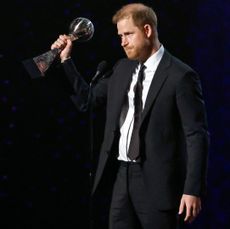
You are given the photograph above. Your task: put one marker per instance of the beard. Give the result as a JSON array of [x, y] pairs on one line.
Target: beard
[[140, 52], [131, 53]]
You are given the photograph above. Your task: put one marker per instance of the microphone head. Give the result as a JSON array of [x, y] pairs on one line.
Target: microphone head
[[101, 69], [102, 66]]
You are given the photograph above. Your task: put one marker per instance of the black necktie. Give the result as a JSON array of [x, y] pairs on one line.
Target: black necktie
[[134, 146]]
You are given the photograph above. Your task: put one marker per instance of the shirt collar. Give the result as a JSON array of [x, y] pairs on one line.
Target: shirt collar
[[152, 62]]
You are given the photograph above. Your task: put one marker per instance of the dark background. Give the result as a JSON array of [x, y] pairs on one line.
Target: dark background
[[44, 141]]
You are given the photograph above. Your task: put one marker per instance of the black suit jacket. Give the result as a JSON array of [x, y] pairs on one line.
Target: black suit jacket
[[174, 135]]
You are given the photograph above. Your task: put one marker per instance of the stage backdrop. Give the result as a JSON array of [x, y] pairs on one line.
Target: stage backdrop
[[45, 157]]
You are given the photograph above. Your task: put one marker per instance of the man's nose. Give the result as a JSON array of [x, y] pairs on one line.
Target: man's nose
[[123, 41]]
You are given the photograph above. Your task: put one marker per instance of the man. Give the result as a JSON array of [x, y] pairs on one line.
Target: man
[[165, 172]]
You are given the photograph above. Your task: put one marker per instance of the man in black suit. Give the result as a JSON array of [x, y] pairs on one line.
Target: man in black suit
[[165, 172]]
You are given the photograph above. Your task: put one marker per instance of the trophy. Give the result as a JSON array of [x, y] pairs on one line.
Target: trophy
[[81, 29]]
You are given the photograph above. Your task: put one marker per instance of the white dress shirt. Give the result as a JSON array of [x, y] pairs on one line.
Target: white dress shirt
[[151, 65]]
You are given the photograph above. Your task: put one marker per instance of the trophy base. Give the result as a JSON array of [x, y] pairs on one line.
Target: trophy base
[[37, 66], [32, 69]]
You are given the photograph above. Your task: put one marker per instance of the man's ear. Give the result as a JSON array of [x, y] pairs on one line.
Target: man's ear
[[148, 30]]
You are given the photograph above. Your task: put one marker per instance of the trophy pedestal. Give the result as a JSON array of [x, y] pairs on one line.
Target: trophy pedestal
[[37, 66]]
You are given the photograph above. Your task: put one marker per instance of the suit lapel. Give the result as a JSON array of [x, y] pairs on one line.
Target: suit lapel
[[157, 83], [121, 89]]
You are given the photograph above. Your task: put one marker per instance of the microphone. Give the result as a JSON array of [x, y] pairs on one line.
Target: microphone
[[101, 69]]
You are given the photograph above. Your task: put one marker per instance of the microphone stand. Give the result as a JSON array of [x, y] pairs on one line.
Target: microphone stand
[[100, 70], [91, 154]]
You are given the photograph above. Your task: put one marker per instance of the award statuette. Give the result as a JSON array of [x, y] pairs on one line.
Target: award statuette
[[81, 29]]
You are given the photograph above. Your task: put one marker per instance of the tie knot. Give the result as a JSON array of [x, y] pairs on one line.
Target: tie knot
[[142, 67], [141, 72]]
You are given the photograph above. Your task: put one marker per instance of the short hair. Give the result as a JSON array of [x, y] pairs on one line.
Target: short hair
[[140, 13]]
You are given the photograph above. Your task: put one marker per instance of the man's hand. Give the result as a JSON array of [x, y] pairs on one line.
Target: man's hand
[[63, 43], [191, 205]]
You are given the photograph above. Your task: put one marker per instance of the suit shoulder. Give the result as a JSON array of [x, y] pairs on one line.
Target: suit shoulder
[[180, 65], [178, 70]]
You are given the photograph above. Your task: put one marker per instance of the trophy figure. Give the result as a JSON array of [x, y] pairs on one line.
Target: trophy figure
[[81, 29]]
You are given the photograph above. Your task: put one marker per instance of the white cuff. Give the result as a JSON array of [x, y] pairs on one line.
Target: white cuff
[[64, 59]]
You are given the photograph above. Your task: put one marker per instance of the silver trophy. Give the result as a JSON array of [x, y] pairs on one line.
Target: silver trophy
[[81, 29]]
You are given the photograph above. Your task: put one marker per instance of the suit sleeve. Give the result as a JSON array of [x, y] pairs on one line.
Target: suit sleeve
[[82, 90], [192, 112]]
